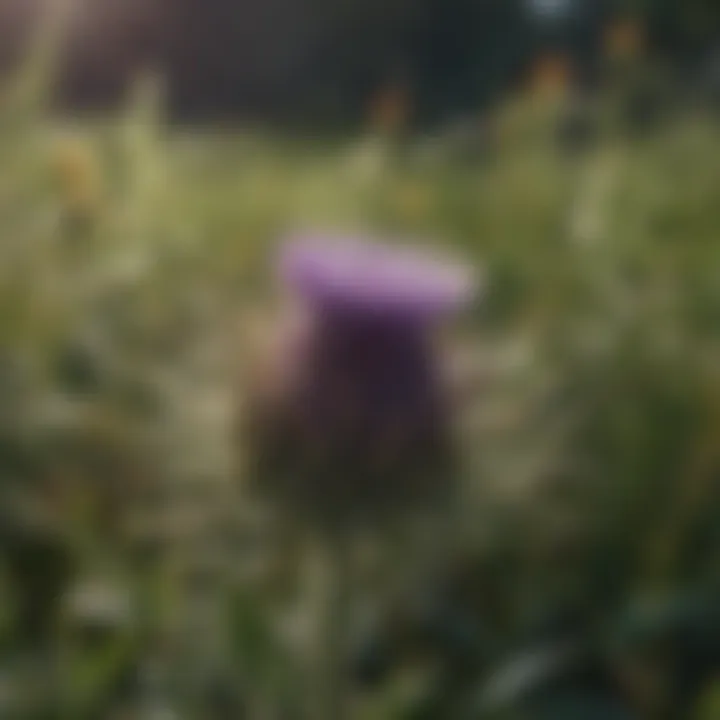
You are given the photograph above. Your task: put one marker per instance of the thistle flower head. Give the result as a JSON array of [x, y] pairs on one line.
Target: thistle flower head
[[364, 278], [363, 422]]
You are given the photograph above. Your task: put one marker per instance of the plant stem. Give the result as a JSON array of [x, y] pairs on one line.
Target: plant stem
[[334, 622]]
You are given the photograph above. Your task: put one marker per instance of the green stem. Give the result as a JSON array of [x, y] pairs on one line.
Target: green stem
[[334, 691]]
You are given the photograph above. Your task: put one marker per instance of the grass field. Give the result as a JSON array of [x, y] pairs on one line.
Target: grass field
[[131, 256]]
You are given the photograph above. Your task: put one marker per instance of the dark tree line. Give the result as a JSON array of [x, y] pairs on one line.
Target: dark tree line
[[321, 60], [315, 59]]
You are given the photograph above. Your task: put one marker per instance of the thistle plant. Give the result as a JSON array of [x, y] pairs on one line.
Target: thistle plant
[[354, 424]]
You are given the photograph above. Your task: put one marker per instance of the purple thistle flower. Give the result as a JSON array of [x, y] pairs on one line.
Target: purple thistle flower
[[364, 422], [370, 279]]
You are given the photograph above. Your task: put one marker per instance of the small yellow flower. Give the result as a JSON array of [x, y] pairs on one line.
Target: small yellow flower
[[76, 172], [551, 76], [625, 39], [390, 110]]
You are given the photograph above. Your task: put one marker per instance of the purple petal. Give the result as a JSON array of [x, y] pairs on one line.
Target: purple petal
[[346, 274]]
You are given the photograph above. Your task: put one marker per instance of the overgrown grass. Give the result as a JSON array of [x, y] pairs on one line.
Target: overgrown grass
[[128, 256]]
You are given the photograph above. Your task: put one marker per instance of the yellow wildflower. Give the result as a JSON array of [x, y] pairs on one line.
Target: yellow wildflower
[[390, 110], [625, 39], [551, 76], [76, 172]]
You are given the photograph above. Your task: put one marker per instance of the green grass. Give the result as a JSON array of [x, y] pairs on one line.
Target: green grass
[[127, 263]]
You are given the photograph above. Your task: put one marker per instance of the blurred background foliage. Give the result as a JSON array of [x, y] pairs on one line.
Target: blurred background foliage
[[580, 577], [268, 61]]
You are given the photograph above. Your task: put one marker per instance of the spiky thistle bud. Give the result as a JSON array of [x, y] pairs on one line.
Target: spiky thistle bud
[[354, 417]]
